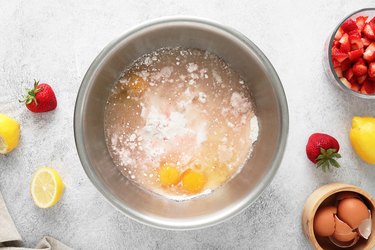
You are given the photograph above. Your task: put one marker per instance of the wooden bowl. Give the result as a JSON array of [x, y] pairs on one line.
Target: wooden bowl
[[325, 195]]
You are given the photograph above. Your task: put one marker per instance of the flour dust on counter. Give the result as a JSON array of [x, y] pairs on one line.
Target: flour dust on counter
[[180, 122]]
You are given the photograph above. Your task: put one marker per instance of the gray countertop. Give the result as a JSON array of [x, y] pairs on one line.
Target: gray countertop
[[55, 41]]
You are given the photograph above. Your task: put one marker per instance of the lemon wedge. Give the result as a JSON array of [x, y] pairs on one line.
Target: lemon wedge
[[46, 187], [9, 134], [362, 138]]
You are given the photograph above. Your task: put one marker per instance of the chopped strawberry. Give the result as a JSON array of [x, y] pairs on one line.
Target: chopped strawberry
[[355, 86], [345, 44], [346, 64], [369, 32], [338, 55], [360, 61], [368, 88], [369, 54], [338, 71], [349, 25], [359, 69], [336, 44], [335, 63], [372, 23], [371, 69], [346, 82], [339, 34], [355, 40], [360, 21], [355, 54], [366, 42], [349, 74], [361, 79]]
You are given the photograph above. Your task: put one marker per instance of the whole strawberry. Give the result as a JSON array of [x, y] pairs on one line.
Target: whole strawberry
[[41, 98], [322, 149]]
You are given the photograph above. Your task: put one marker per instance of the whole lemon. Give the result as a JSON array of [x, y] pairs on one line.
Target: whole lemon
[[362, 138], [9, 134]]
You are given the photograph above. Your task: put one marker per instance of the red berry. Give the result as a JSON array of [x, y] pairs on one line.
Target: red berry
[[369, 32], [360, 21], [354, 55], [338, 55], [359, 69], [321, 149], [349, 25], [41, 98]]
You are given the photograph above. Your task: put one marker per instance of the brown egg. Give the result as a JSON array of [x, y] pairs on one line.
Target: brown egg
[[347, 194], [324, 221], [343, 231], [352, 211]]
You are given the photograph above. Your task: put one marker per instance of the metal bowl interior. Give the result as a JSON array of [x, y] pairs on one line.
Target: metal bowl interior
[[235, 195]]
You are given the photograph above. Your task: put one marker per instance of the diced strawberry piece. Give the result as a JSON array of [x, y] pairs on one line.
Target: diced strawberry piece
[[355, 54], [349, 74], [339, 34], [338, 55], [360, 21], [360, 61], [346, 82], [368, 88], [371, 69], [361, 79], [335, 63], [346, 64], [372, 23], [369, 54], [349, 25], [345, 44], [338, 71], [336, 44], [359, 69], [355, 86], [355, 39], [354, 35], [369, 32], [366, 42]]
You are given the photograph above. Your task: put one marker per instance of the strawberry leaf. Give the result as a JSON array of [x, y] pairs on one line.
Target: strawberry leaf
[[31, 94], [326, 159]]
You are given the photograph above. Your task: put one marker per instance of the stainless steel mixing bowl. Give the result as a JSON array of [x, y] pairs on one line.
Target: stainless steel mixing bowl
[[234, 196]]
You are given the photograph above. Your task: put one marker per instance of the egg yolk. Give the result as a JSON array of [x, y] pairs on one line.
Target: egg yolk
[[192, 181], [136, 85], [169, 175]]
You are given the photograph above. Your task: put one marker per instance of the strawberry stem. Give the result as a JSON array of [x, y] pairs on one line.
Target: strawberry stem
[[326, 159], [31, 94]]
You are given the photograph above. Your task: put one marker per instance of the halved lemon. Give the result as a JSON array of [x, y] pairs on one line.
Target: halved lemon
[[46, 187], [9, 134]]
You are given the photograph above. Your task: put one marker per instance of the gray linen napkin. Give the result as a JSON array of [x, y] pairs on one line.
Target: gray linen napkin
[[10, 239]]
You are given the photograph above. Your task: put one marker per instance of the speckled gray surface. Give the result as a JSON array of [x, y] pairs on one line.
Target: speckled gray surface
[[55, 41]]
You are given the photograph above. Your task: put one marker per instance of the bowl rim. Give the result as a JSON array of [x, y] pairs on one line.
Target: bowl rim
[[200, 223], [330, 63]]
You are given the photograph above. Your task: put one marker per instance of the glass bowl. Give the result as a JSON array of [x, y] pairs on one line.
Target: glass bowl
[[327, 60]]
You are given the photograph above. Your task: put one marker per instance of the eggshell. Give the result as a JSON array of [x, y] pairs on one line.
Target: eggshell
[[324, 221], [344, 244], [352, 211], [343, 232], [365, 228]]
